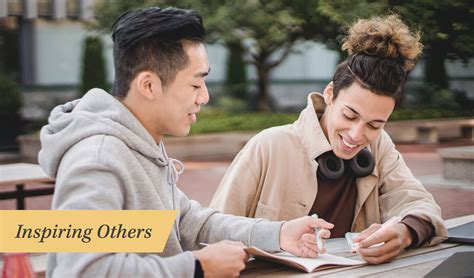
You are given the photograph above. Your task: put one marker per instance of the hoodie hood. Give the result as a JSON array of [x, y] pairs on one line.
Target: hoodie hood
[[97, 113]]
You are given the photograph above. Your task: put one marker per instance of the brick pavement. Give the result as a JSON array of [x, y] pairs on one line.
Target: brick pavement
[[200, 180]]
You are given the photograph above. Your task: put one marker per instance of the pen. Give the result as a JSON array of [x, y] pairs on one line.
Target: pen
[[319, 243], [391, 221]]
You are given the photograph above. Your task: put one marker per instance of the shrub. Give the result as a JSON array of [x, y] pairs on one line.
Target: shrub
[[93, 73], [426, 95], [10, 97], [236, 74], [215, 120], [10, 119], [212, 120]]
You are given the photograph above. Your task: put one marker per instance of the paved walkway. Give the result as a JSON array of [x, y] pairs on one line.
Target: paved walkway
[[200, 180]]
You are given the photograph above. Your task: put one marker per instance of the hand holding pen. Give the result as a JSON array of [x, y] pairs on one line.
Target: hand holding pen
[[394, 235], [298, 237]]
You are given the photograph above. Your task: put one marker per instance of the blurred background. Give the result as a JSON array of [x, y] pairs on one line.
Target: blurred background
[[266, 56]]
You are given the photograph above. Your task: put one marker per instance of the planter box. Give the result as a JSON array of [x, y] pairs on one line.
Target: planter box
[[458, 163], [224, 146], [30, 145], [429, 131], [218, 146]]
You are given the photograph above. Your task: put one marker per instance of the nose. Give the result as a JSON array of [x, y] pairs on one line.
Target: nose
[[203, 95], [356, 132]]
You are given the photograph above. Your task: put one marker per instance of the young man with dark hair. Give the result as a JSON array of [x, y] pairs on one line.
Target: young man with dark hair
[[106, 153]]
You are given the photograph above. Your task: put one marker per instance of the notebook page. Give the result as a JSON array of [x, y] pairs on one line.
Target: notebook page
[[306, 264]]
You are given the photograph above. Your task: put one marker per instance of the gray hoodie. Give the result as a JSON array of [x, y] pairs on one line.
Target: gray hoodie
[[104, 159]]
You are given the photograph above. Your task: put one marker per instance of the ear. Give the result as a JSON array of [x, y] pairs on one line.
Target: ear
[[148, 84], [328, 93]]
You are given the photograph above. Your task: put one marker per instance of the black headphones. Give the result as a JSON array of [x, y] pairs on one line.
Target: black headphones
[[332, 167]]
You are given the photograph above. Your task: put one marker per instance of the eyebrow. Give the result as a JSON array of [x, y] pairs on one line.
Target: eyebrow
[[203, 73], [357, 113]]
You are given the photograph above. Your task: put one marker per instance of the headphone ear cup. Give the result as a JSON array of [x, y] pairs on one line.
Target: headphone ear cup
[[330, 167], [362, 164]]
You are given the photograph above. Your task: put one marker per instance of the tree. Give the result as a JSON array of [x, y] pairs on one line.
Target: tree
[[315, 25], [268, 32], [447, 32], [446, 27], [93, 73], [266, 29]]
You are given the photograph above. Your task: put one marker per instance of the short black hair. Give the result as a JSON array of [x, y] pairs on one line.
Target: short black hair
[[152, 39]]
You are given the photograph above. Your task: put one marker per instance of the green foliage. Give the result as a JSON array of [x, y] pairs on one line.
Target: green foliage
[[268, 35], [219, 120], [449, 22], [109, 10], [266, 29], [446, 27], [214, 120], [429, 113], [10, 97], [93, 73], [269, 29], [427, 95], [9, 52], [344, 12], [231, 104]]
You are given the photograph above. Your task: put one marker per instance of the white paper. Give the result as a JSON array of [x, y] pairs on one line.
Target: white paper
[[306, 264]]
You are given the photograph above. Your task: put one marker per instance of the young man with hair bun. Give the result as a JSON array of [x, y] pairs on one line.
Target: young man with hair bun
[[336, 160]]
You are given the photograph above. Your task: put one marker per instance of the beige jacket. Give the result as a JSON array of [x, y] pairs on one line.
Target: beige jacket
[[274, 177]]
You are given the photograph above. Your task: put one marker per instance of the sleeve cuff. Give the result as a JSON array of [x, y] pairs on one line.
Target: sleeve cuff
[[181, 265], [421, 230], [198, 272], [266, 235]]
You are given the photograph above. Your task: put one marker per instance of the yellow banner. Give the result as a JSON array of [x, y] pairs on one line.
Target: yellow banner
[[143, 231]]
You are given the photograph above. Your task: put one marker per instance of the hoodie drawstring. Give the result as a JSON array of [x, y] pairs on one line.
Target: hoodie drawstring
[[172, 176]]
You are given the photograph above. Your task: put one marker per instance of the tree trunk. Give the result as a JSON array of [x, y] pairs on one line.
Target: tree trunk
[[435, 70], [263, 97]]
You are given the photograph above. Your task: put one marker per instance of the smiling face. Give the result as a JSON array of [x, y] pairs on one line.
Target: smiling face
[[354, 119], [171, 109], [177, 105]]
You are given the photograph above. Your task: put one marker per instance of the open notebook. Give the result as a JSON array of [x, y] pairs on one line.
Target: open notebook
[[324, 261]]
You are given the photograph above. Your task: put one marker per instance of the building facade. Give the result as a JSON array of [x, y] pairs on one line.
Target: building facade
[[49, 44]]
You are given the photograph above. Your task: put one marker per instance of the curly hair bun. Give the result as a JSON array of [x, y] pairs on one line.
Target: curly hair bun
[[385, 37]]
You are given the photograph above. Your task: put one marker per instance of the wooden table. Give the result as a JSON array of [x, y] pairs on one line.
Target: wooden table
[[18, 175], [414, 263]]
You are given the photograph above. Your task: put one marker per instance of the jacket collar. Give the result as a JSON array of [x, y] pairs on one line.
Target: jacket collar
[[308, 129], [310, 133]]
